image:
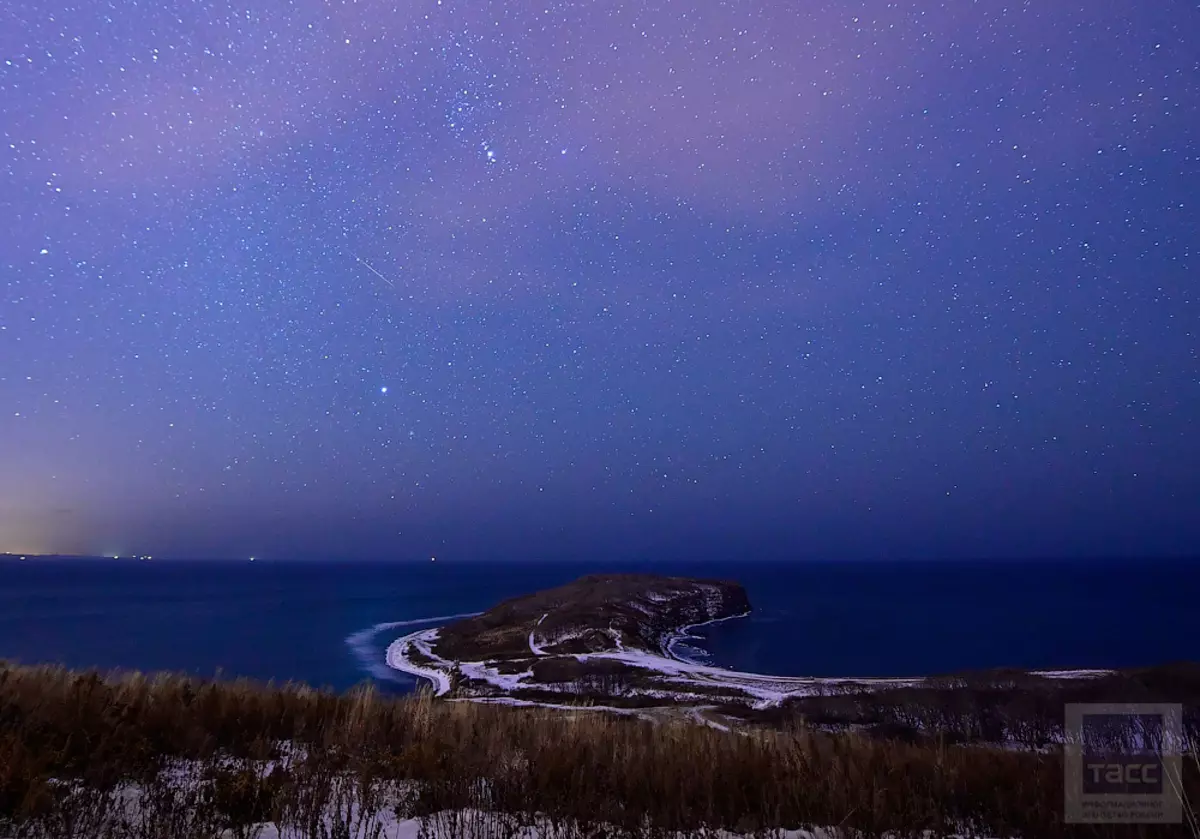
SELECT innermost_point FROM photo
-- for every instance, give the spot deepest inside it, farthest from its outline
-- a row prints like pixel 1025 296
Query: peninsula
pixel 616 641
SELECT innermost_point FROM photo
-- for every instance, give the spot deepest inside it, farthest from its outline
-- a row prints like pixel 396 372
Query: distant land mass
pixel 34 556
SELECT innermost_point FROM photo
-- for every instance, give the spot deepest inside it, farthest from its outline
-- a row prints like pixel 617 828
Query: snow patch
pixel 399 654
pixel 533 646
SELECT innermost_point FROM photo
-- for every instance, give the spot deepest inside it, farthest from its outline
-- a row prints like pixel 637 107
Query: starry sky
pixel 601 278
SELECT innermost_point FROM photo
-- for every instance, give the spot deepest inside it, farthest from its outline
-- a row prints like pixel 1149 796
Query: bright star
pixel 383 390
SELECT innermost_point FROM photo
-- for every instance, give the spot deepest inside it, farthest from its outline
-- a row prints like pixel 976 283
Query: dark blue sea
pixel 321 623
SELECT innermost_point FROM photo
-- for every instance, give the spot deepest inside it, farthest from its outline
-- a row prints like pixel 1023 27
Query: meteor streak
pixel 371 268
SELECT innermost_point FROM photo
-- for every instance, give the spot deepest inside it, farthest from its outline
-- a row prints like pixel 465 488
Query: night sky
pixel 599 279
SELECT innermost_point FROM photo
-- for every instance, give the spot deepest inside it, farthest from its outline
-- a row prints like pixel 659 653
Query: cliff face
pixel 597 613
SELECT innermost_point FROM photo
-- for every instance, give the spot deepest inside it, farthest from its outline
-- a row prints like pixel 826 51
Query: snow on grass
pixel 615 634
pixel 568 635
pixel 659 596
pixel 698 714
pixel 348 816
pixel 1072 674
pixel 765 690
pixel 533 647
pixel 480 824
pixel 486 672
pixel 761 690
pixel 132 809
pixel 642 713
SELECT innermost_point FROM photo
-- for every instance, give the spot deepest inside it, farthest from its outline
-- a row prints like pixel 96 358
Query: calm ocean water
pixel 320 622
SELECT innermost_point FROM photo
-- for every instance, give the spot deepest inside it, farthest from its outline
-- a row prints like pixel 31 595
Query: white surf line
pixel 381 627
pixel 360 642
pixel 684 633
pixel 396 655
pixel 398 659
pixel 534 647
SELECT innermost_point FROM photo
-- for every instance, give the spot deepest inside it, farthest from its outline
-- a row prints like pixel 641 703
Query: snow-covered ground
pixel 533 645
pixel 132 810
pixel 1072 674
pixel 762 691
pixel 477 824
pixel 399 657
pixel 765 690
pixel 472 824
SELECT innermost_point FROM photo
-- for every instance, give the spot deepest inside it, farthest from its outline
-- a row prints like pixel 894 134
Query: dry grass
pixel 205 757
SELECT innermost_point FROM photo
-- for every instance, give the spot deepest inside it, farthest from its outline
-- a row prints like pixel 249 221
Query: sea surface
pixel 329 623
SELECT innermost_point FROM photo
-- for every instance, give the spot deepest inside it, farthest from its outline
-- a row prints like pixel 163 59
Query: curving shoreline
pixel 360 642
pixel 619 641
pixel 763 690
pixel 397 657
pixel 684 634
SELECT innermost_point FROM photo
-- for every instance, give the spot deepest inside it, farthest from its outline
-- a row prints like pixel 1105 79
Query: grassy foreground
pixel 208 758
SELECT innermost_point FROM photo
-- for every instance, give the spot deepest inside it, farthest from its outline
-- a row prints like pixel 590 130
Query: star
pixel 800 268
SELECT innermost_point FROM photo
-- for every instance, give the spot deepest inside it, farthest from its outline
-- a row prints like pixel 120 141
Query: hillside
pixel 149 756
pixel 595 614
pixel 612 641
